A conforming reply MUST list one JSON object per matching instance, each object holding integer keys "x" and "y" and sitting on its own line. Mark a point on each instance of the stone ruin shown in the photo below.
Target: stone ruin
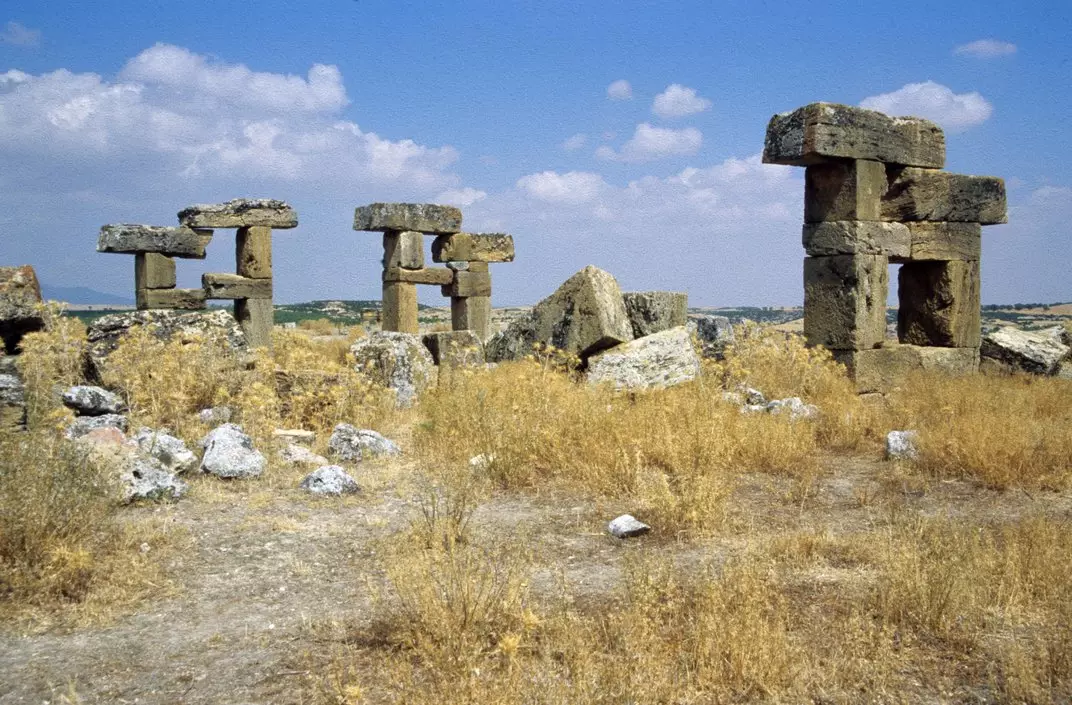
{"x": 20, "y": 313}
{"x": 155, "y": 248}
{"x": 466, "y": 278}
{"x": 875, "y": 194}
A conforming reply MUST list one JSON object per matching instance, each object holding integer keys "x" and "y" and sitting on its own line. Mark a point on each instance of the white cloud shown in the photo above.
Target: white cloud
{"x": 575, "y": 142}
{"x": 620, "y": 90}
{"x": 571, "y": 188}
{"x": 649, "y": 143}
{"x": 677, "y": 101}
{"x": 16, "y": 34}
{"x": 986, "y": 49}
{"x": 955, "y": 112}
{"x": 461, "y": 197}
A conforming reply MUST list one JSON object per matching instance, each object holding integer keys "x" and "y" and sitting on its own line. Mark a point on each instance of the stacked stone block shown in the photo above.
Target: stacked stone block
{"x": 466, "y": 279}
{"x": 875, "y": 194}
{"x": 156, "y": 247}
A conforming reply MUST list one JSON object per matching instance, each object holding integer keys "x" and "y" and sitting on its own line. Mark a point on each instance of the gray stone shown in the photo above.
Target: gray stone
{"x": 880, "y": 370}
{"x": 330, "y": 480}
{"x": 167, "y": 299}
{"x": 85, "y": 424}
{"x": 939, "y": 304}
{"x": 753, "y": 396}
{"x": 853, "y": 237}
{"x": 240, "y": 213}
{"x": 626, "y": 526}
{"x": 350, "y": 443}
{"x": 819, "y": 132}
{"x": 458, "y": 266}
{"x": 229, "y": 453}
{"x": 930, "y": 194}
{"x": 169, "y": 451}
{"x": 715, "y": 334}
{"x": 403, "y": 250}
{"x": 131, "y": 238}
{"x": 12, "y": 402}
{"x": 845, "y": 301}
{"x": 901, "y": 445}
{"x": 398, "y": 361}
{"x": 231, "y": 286}
{"x": 456, "y": 348}
{"x": 420, "y": 217}
{"x": 794, "y": 407}
{"x": 300, "y": 455}
{"x": 294, "y": 435}
{"x": 20, "y": 306}
{"x": 844, "y": 190}
{"x": 144, "y": 478}
{"x": 473, "y": 247}
{"x": 659, "y": 360}
{"x": 1036, "y": 352}
{"x": 946, "y": 241}
{"x": 654, "y": 311}
{"x": 214, "y": 416}
{"x": 514, "y": 342}
{"x": 93, "y": 401}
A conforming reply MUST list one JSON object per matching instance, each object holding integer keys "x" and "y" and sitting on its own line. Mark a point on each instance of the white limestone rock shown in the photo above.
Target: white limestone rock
{"x": 656, "y": 361}
{"x": 229, "y": 453}
{"x": 330, "y": 480}
{"x": 350, "y": 443}
{"x": 626, "y": 526}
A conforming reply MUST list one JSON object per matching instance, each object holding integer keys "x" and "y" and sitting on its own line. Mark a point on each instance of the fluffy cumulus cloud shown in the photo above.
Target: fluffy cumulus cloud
{"x": 571, "y": 188}
{"x": 620, "y": 90}
{"x": 461, "y": 197}
{"x": 677, "y": 101}
{"x": 650, "y": 143}
{"x": 19, "y": 35}
{"x": 955, "y": 112}
{"x": 985, "y": 49}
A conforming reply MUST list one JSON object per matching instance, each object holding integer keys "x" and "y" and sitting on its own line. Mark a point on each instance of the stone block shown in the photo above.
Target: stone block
{"x": 663, "y": 359}
{"x": 939, "y": 304}
{"x": 185, "y": 299}
{"x": 478, "y": 268}
{"x": 433, "y": 275}
{"x": 845, "y": 301}
{"x": 421, "y": 217}
{"x": 654, "y": 311}
{"x": 820, "y": 132}
{"x": 584, "y": 316}
{"x": 129, "y": 238}
{"x": 256, "y": 317}
{"x": 473, "y": 247}
{"x": 852, "y": 237}
{"x": 403, "y": 250}
{"x": 468, "y": 284}
{"x": 844, "y": 190}
{"x": 882, "y": 369}
{"x": 253, "y": 252}
{"x": 1037, "y": 352}
{"x": 946, "y": 241}
{"x": 20, "y": 305}
{"x": 457, "y": 348}
{"x": 153, "y": 271}
{"x": 458, "y": 266}
{"x": 930, "y": 194}
{"x": 399, "y": 307}
{"x": 472, "y": 313}
{"x": 232, "y": 286}
{"x": 240, "y": 213}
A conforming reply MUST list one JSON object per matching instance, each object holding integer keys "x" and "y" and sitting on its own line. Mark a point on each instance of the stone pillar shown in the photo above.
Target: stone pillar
{"x": 400, "y": 307}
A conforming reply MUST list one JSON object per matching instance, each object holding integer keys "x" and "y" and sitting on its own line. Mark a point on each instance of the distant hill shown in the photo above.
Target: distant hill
{"x": 82, "y": 295}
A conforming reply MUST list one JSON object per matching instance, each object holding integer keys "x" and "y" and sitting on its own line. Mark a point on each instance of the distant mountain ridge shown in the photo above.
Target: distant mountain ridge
{"x": 82, "y": 295}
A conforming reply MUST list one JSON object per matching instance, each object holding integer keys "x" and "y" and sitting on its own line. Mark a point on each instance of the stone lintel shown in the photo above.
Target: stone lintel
{"x": 130, "y": 238}
{"x": 433, "y": 275}
{"x": 233, "y": 286}
{"x": 929, "y": 194}
{"x": 946, "y": 241}
{"x": 186, "y": 299}
{"x": 853, "y": 237}
{"x": 420, "y": 217}
{"x": 473, "y": 247}
{"x": 240, "y": 213}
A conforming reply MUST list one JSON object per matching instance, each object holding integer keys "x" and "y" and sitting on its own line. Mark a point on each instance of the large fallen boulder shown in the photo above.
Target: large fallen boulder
{"x": 168, "y": 450}
{"x": 20, "y": 311}
{"x": 398, "y": 361}
{"x": 654, "y": 311}
{"x": 330, "y": 480}
{"x": 1037, "y": 352}
{"x": 585, "y": 316}
{"x": 659, "y": 360}
{"x": 229, "y": 453}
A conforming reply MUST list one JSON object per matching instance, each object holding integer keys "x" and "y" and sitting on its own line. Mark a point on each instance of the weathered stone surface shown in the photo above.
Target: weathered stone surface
{"x": 182, "y": 299}
{"x": 87, "y": 400}
{"x": 793, "y": 407}
{"x": 1036, "y": 352}
{"x": 458, "y": 348}
{"x": 229, "y": 453}
{"x": 627, "y": 526}
{"x": 295, "y": 435}
{"x": 256, "y": 318}
{"x": 240, "y": 213}
{"x": 403, "y": 250}
{"x": 144, "y": 478}
{"x": 153, "y": 271}
{"x": 458, "y": 266}
{"x": 845, "y": 301}
{"x": 901, "y": 445}
{"x": 514, "y": 342}
{"x": 586, "y": 315}
{"x": 399, "y": 313}
{"x": 653, "y": 311}
{"x": 300, "y": 455}
{"x": 946, "y": 241}
{"x": 844, "y": 190}
{"x": 659, "y": 360}
{"x": 421, "y": 217}
{"x": 472, "y": 313}
{"x": 715, "y": 334}
{"x": 169, "y": 451}
{"x": 939, "y": 304}
{"x": 103, "y": 334}
{"x": 398, "y": 361}
{"x": 330, "y": 480}
{"x": 12, "y": 401}
{"x": 930, "y": 194}
{"x": 473, "y": 247}
{"x": 432, "y": 275}
{"x": 354, "y": 444}
{"x": 882, "y": 369}
{"x": 477, "y": 268}
{"x": 852, "y": 237}
{"x": 20, "y": 300}
{"x": 215, "y": 415}
{"x": 130, "y": 238}
{"x": 253, "y": 252}
{"x": 818, "y": 132}
{"x": 466, "y": 284}
{"x": 232, "y": 286}
{"x": 83, "y": 425}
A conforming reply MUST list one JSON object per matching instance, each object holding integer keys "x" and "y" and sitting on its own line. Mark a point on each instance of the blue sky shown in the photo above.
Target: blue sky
{"x": 623, "y": 134}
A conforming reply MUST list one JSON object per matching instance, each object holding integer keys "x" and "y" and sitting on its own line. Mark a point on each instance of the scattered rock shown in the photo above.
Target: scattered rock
{"x": 108, "y": 436}
{"x": 1037, "y": 352}
{"x": 626, "y": 527}
{"x": 753, "y": 396}
{"x": 229, "y": 453}
{"x": 20, "y": 312}
{"x": 92, "y": 401}
{"x": 482, "y": 462}
{"x": 794, "y": 406}
{"x": 300, "y": 455}
{"x": 901, "y": 445}
{"x": 214, "y": 416}
{"x": 145, "y": 478}
{"x": 655, "y": 311}
{"x": 330, "y": 480}
{"x": 294, "y": 435}
{"x": 350, "y": 443}
{"x": 84, "y": 424}
{"x": 398, "y": 361}
{"x": 659, "y": 360}
{"x": 168, "y": 450}
{"x": 715, "y": 334}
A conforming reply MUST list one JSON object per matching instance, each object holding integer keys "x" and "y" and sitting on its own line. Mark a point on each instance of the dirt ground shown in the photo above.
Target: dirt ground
{"x": 261, "y": 572}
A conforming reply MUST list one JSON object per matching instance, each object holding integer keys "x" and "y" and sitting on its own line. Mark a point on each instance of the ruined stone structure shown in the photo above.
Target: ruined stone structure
{"x": 875, "y": 194}
{"x": 465, "y": 279}
{"x": 156, "y": 247}
{"x": 20, "y": 313}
